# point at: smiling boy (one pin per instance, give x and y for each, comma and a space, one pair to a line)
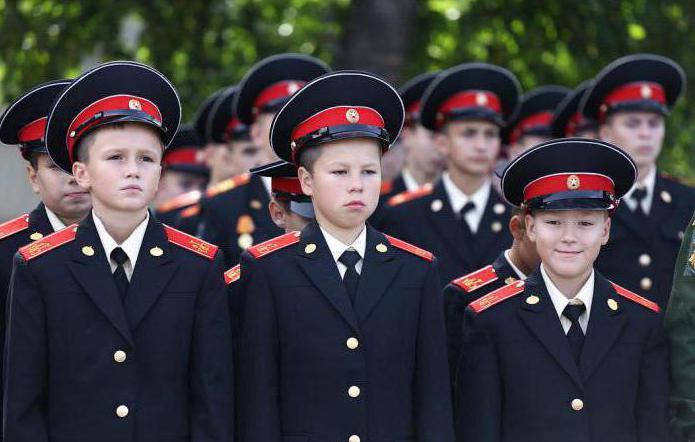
565, 354
347, 341
118, 326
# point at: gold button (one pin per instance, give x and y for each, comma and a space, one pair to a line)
352, 343
577, 404
436, 205
645, 260
381, 248
310, 248
354, 391
35, 236
354, 438
88, 251
612, 304
156, 251
122, 411
499, 208
533, 300
645, 283
119, 356
496, 226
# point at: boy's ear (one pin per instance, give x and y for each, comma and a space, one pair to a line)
79, 171
32, 176
530, 227
306, 181
277, 214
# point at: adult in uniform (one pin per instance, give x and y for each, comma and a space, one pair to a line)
117, 325
565, 354
630, 98
568, 121
262, 91
461, 218
343, 333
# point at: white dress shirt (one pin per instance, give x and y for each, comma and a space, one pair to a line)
518, 272
131, 246
337, 248
585, 295
56, 223
409, 180
268, 184
458, 199
647, 184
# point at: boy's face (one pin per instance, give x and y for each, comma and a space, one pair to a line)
122, 172
58, 190
640, 134
470, 146
524, 143
345, 182
260, 136
244, 155
568, 241
286, 219
174, 183
422, 155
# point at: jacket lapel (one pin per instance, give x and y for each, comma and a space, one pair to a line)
486, 238
542, 319
38, 221
378, 270
605, 326
91, 270
317, 263
446, 223
152, 273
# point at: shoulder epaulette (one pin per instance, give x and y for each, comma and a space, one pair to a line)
190, 242
417, 251
13, 226
409, 195
477, 279
279, 242
49, 242
622, 291
497, 296
190, 211
232, 275
228, 184
180, 201
386, 187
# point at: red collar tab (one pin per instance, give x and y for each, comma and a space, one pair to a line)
538, 120
636, 91
338, 116
563, 182
183, 156
276, 91
112, 103
468, 99
33, 131
286, 185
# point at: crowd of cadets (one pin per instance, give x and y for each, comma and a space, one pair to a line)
254, 276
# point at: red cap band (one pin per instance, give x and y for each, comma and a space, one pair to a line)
189, 156
276, 91
468, 99
287, 185
637, 91
33, 131
537, 120
338, 116
112, 103
412, 113
575, 123
563, 182
232, 124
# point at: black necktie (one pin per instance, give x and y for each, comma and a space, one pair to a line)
638, 195
120, 257
575, 335
351, 278
467, 232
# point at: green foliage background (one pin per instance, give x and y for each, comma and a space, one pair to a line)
204, 45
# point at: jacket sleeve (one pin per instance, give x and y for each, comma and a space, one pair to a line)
259, 377
454, 308
652, 398
434, 422
25, 359
212, 377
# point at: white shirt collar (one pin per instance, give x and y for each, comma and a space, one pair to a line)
131, 246
337, 248
268, 184
560, 301
518, 272
647, 184
458, 199
56, 223
409, 180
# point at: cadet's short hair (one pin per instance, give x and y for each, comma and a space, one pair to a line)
308, 156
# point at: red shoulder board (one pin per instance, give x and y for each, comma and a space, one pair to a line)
386, 187
190, 211
417, 251
277, 243
232, 275
49, 242
13, 226
477, 279
409, 195
190, 242
636, 298
228, 184
497, 296
178, 202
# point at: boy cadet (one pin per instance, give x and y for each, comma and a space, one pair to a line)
566, 355
236, 218
630, 98
568, 121
461, 218
118, 328
347, 342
